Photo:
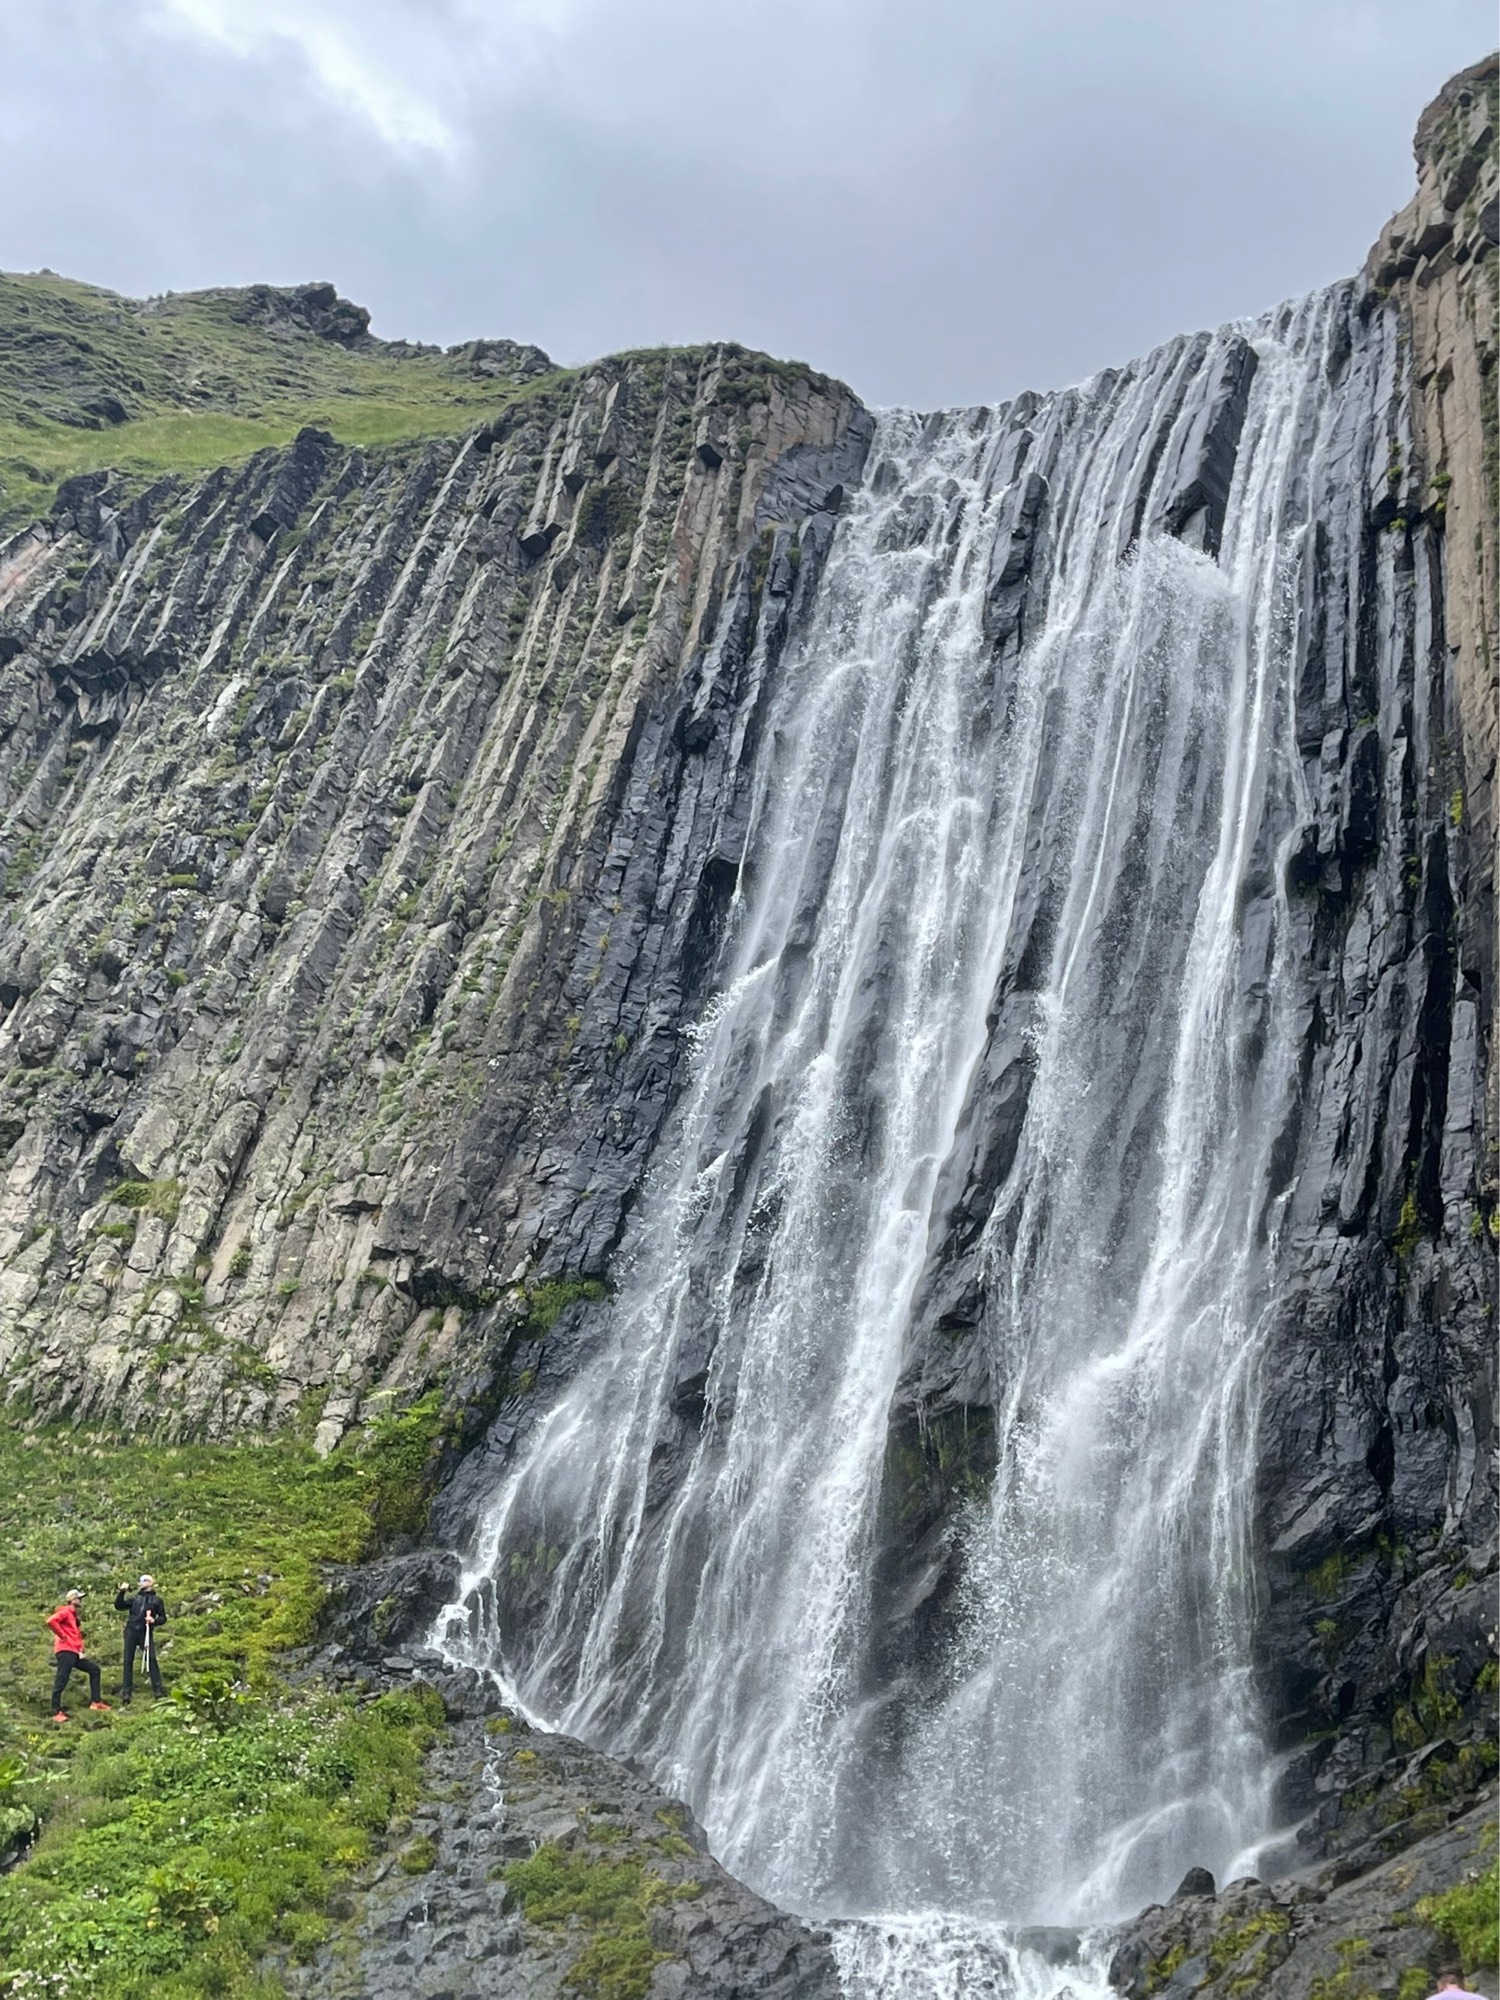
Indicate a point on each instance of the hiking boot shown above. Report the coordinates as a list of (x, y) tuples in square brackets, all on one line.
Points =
[(98, 1704)]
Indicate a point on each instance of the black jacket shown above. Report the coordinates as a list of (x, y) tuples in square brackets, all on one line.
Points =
[(135, 1604)]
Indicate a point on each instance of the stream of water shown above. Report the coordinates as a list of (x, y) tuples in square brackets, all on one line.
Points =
[(1055, 862)]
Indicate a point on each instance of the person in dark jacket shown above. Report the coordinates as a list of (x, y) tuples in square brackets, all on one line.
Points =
[(145, 1614), (68, 1653)]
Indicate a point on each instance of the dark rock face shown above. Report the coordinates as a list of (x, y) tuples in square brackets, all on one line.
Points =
[(1324, 1933), (368, 826), (1201, 473), (315, 308), (444, 1913), (377, 1608)]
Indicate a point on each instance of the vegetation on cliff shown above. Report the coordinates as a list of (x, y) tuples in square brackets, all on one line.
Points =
[(414, 724), (196, 379), (177, 384)]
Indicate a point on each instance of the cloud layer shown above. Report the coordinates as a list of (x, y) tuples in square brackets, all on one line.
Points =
[(941, 203)]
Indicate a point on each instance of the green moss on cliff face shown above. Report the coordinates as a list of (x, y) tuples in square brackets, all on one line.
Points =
[(181, 1840), (546, 1303), (197, 379), (401, 1455), (609, 1900), (1469, 1914)]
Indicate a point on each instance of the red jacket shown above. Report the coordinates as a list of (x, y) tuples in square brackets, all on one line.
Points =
[(69, 1633)]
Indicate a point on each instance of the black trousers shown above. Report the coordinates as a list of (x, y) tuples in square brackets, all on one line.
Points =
[(64, 1664), (134, 1643)]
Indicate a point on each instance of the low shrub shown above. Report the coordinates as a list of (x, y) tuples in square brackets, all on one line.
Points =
[(1469, 1915)]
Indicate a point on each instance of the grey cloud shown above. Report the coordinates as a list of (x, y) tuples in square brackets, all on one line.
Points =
[(939, 203)]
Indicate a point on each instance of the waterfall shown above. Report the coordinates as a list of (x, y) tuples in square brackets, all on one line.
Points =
[(1019, 838)]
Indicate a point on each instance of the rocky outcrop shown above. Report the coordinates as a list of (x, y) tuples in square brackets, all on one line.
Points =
[(367, 823), (1335, 1934), (1378, 1497), (532, 1865), (316, 309), (1436, 262)]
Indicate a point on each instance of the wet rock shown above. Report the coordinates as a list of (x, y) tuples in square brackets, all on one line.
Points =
[(1010, 561), (1315, 1933), (1196, 1882), (506, 1792), (373, 1606), (1050, 1942), (1196, 479)]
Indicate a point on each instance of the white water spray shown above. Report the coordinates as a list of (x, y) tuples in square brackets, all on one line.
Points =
[(1051, 868)]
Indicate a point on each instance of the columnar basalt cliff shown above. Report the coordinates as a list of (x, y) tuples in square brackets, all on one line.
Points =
[(1376, 1504), (1436, 261), (1378, 1493), (421, 858), (367, 826)]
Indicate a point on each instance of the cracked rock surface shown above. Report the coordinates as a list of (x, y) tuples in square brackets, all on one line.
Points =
[(366, 823), (1332, 1933), (443, 1915)]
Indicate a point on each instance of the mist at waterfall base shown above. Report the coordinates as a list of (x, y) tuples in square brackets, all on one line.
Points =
[(991, 851)]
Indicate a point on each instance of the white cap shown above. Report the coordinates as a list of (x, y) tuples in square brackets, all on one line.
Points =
[(148, 1582)]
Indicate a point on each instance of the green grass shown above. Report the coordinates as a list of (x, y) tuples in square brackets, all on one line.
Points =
[(161, 1198), (547, 1302), (182, 1839), (610, 1901), (208, 378), (178, 1853), (203, 385), (1469, 1914)]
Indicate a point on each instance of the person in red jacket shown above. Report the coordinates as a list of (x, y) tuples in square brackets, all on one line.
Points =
[(68, 1653)]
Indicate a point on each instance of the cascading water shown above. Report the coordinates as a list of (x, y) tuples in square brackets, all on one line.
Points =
[(969, 836)]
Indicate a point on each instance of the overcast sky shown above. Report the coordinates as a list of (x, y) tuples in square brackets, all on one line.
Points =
[(939, 200)]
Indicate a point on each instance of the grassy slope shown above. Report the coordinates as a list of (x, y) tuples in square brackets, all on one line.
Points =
[(202, 384), (181, 1839)]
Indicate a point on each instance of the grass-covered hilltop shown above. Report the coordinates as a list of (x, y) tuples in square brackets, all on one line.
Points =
[(196, 379)]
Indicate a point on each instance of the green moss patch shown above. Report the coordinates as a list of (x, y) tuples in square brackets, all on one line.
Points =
[(400, 1456), (546, 1303), (1469, 1914), (1251, 1949), (611, 1900)]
